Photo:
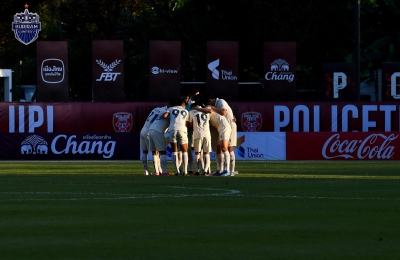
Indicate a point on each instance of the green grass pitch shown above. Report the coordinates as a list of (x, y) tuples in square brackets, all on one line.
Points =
[(270, 210)]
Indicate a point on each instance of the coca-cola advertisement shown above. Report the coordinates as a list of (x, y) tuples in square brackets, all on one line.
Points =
[(108, 71), (164, 70), (280, 71), (338, 82), (343, 146), (222, 69), (52, 71)]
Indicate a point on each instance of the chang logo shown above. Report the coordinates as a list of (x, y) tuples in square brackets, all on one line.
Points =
[(279, 71), (34, 144)]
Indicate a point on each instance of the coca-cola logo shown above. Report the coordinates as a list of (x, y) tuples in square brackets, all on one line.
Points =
[(374, 146)]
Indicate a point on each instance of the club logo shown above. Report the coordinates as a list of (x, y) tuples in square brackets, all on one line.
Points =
[(251, 121), (108, 75), (52, 71), (122, 122), (26, 26), (279, 71), (34, 144), (225, 74)]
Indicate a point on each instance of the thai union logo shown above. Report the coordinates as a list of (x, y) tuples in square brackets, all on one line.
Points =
[(224, 75), (26, 26)]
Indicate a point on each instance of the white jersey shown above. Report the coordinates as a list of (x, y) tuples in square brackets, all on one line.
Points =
[(177, 118), (222, 104), (160, 124), (201, 123), (154, 114), (218, 121)]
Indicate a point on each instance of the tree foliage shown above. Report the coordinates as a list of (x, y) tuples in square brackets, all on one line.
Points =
[(323, 31)]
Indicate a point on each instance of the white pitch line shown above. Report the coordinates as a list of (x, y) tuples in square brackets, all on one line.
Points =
[(316, 197), (224, 192)]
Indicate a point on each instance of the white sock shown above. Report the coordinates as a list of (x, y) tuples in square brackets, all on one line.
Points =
[(144, 161), (185, 162), (179, 159), (220, 162), (233, 161), (175, 160), (207, 163), (156, 161), (198, 162), (164, 161), (227, 160)]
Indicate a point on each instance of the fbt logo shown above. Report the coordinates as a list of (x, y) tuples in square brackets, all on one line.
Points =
[(279, 71), (108, 75), (251, 121), (224, 75), (156, 70), (52, 71), (37, 117)]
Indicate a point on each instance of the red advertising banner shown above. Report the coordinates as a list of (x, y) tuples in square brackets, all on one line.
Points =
[(338, 82), (343, 146), (390, 81), (52, 71), (280, 71), (75, 146), (164, 70), (222, 69), (124, 117), (108, 71)]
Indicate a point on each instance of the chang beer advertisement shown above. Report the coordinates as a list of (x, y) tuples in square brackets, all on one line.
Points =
[(108, 71), (222, 69), (338, 82), (280, 71), (52, 71), (390, 81), (164, 70)]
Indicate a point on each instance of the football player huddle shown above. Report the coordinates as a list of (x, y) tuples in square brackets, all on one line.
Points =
[(196, 124)]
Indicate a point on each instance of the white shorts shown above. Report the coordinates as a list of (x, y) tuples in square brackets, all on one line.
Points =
[(203, 143), (233, 137), (178, 136), (144, 141), (217, 137), (156, 141)]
